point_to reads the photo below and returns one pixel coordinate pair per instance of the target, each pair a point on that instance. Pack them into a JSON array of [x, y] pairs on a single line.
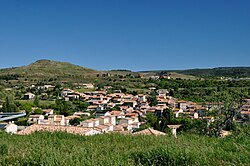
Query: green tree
[[9, 105], [27, 107], [152, 100], [75, 121], [38, 111], [157, 125], [151, 119], [64, 107], [36, 101], [168, 115]]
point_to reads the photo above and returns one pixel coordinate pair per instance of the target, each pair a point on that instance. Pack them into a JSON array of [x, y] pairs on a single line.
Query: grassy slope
[[49, 69], [115, 149], [182, 76]]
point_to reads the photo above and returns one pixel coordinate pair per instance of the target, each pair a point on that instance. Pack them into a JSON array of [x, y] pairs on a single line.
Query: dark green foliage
[[9, 105], [8, 77], [218, 72], [69, 107], [152, 99], [151, 119], [38, 111], [27, 107], [80, 105], [36, 101], [75, 121], [64, 107], [21, 122]]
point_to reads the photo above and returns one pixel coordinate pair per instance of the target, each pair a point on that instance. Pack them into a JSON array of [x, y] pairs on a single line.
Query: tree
[[64, 107], [27, 107], [152, 100], [171, 92], [36, 101], [151, 119], [80, 105], [75, 121], [9, 105], [38, 111], [223, 118], [6, 105], [168, 115]]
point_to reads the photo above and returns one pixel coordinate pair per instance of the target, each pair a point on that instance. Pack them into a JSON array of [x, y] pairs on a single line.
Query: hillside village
[[112, 112]]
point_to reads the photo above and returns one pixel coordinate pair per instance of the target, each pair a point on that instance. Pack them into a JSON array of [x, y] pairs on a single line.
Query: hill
[[42, 69], [236, 72], [218, 72]]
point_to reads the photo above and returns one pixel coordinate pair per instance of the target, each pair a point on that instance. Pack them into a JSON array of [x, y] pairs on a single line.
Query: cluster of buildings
[[122, 112], [128, 105], [118, 112]]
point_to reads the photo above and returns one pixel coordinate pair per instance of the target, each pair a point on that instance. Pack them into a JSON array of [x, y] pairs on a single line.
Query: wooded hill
[[219, 72], [235, 72]]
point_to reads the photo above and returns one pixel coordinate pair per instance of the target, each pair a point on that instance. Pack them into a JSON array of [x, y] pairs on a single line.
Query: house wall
[[112, 120], [87, 124], [104, 120], [11, 129]]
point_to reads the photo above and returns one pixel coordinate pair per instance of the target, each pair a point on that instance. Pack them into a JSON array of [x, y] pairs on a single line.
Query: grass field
[[114, 149], [42, 102]]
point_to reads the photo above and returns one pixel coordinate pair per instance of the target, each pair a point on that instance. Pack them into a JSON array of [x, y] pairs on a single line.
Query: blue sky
[[126, 34]]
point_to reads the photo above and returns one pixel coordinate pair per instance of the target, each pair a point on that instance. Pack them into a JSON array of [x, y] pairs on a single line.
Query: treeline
[[234, 72], [8, 77]]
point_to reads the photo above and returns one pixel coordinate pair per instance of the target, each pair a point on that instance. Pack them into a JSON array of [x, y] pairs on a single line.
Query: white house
[[82, 114], [88, 86], [112, 119], [9, 128], [57, 119], [87, 123], [35, 119], [142, 98], [29, 96], [48, 111]]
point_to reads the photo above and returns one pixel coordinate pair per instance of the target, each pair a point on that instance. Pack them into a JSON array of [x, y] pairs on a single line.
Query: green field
[[42, 102], [114, 149]]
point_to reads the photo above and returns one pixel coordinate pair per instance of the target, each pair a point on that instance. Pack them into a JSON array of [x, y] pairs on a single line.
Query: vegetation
[[114, 149], [193, 146], [208, 90], [234, 72], [47, 71]]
